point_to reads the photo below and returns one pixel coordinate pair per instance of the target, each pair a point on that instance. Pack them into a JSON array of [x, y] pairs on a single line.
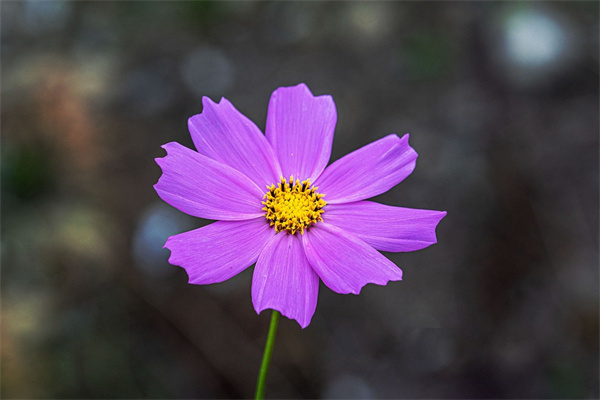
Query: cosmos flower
[[279, 205]]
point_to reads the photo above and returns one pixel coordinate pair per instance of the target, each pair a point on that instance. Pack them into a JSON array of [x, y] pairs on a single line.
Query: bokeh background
[[500, 98]]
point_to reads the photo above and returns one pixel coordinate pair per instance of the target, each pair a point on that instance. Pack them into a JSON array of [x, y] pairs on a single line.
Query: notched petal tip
[[302, 87], [161, 161], [396, 278], [172, 260], [192, 120], [207, 101], [440, 216], [404, 139], [168, 243], [397, 140], [357, 291], [169, 147]]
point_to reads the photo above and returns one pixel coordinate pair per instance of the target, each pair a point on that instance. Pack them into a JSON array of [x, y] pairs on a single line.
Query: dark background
[[501, 100]]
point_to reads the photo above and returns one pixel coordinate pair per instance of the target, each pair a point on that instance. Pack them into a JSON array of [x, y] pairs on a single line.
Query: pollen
[[293, 206]]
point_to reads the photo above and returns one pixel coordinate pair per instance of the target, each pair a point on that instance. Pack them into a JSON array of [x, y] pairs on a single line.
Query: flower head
[[277, 205]]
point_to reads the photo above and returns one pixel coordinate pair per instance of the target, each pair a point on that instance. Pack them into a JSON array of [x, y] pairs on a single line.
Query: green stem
[[266, 361]]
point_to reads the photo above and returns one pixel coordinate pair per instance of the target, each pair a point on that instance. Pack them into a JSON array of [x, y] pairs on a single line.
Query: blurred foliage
[[428, 55], [26, 172]]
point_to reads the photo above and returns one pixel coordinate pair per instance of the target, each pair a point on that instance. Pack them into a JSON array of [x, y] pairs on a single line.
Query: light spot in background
[[45, 16], [533, 46], [156, 224], [25, 319], [25, 313], [534, 39], [427, 55], [207, 71], [84, 232], [347, 387], [66, 111], [372, 20]]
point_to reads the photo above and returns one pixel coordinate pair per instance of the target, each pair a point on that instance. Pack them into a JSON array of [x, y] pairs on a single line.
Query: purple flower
[[278, 206]]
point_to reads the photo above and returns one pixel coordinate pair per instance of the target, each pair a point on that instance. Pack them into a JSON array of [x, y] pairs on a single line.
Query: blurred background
[[501, 100]]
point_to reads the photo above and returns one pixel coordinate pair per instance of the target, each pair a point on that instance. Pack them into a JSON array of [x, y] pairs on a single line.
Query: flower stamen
[[293, 205]]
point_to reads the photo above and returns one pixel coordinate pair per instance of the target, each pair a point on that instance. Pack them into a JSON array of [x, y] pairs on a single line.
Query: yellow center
[[293, 206]]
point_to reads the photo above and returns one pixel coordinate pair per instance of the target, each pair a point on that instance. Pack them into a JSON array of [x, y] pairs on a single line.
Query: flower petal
[[368, 171], [385, 227], [300, 128], [219, 251], [202, 187], [345, 263], [284, 280], [224, 134]]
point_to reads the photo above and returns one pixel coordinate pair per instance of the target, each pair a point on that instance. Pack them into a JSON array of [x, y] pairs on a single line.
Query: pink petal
[[300, 128], [284, 281], [368, 171], [219, 251], [345, 263], [224, 134], [202, 187], [384, 227]]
